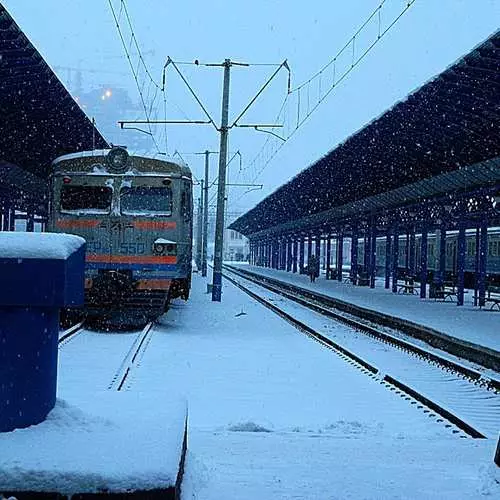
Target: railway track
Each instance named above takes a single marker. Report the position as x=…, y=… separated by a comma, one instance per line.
x=68, y=335
x=479, y=355
x=132, y=359
x=452, y=392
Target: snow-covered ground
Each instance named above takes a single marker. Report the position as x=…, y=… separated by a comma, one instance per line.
x=272, y=414
x=469, y=323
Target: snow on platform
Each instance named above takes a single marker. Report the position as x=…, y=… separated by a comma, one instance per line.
x=110, y=442
x=469, y=323
x=274, y=415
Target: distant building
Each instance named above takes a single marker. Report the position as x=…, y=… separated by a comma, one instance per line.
x=236, y=246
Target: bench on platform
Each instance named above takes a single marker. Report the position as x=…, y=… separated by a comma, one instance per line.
x=347, y=278
x=408, y=289
x=491, y=300
x=363, y=279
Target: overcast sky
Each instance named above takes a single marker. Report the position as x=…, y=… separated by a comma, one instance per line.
x=428, y=38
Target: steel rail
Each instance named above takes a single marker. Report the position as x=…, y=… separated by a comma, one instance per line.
x=66, y=335
x=365, y=366
x=321, y=305
x=130, y=359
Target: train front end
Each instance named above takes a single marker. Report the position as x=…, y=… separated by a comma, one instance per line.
x=135, y=214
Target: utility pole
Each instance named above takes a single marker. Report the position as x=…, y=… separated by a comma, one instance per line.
x=223, y=130
x=205, y=220
x=207, y=186
x=221, y=188
x=199, y=228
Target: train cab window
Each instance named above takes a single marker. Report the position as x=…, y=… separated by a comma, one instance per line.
x=146, y=200
x=86, y=199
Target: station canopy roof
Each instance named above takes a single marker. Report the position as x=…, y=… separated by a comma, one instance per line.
x=40, y=120
x=450, y=123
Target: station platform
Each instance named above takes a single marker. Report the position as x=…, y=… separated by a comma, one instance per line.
x=467, y=322
x=272, y=414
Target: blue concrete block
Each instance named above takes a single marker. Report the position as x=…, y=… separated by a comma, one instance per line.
x=39, y=274
x=28, y=365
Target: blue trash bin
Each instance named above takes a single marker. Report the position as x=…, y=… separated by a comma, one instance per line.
x=39, y=274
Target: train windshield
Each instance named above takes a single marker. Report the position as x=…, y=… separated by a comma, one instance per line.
x=86, y=199
x=146, y=200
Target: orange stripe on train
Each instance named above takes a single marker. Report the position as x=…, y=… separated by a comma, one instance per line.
x=148, y=284
x=131, y=259
x=153, y=284
x=151, y=224
x=76, y=223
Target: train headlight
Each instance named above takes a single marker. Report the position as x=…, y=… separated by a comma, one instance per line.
x=159, y=248
x=117, y=160
x=164, y=247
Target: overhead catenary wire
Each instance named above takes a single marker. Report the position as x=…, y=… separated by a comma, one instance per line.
x=148, y=88
x=134, y=73
x=326, y=79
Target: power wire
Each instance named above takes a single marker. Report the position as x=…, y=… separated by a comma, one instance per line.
x=296, y=96
x=134, y=73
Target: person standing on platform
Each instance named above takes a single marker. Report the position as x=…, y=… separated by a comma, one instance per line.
x=312, y=267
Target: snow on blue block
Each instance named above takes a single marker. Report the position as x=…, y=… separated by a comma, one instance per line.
x=111, y=442
x=41, y=269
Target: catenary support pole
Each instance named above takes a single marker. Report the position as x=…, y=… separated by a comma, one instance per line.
x=199, y=229
x=221, y=188
x=204, y=248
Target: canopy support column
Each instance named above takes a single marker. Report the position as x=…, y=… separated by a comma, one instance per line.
x=411, y=253
x=423, y=260
x=483, y=257
x=301, y=255
x=328, y=255
x=294, y=255
x=461, y=260
x=354, y=254
x=387, y=283
x=340, y=255
x=373, y=252
x=395, y=260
